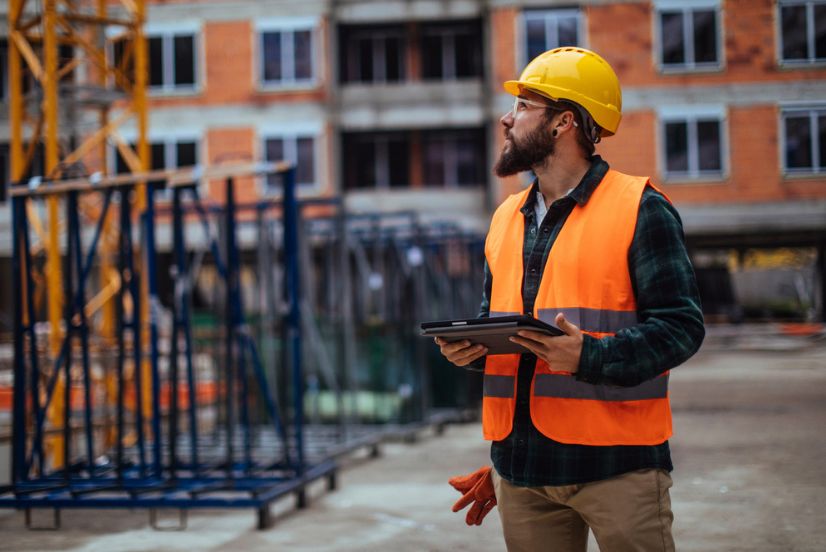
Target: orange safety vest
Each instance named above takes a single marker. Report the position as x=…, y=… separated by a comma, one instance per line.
x=586, y=277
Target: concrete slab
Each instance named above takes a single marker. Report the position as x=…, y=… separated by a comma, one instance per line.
x=748, y=450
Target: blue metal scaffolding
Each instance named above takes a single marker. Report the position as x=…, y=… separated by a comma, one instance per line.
x=347, y=284
x=155, y=464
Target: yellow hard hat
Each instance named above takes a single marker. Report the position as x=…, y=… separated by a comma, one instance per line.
x=577, y=75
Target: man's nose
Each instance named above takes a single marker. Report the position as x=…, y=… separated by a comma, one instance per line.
x=507, y=119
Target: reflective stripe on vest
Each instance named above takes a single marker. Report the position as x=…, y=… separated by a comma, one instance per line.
x=587, y=278
x=563, y=386
x=567, y=387
x=591, y=320
x=498, y=386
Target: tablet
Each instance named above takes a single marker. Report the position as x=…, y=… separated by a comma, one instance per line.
x=493, y=332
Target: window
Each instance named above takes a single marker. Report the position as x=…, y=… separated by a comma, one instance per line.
x=549, y=29
x=803, y=32
x=166, y=154
x=451, y=51
x=295, y=149
x=172, y=58
x=372, y=54
x=286, y=55
x=453, y=158
x=693, y=145
x=376, y=160
x=804, y=134
x=689, y=36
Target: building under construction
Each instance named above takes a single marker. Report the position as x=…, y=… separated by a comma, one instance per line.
x=192, y=186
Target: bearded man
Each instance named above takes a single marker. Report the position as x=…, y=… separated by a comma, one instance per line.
x=579, y=424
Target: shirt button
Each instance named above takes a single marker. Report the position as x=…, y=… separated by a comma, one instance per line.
x=533, y=271
x=520, y=442
x=546, y=230
x=533, y=231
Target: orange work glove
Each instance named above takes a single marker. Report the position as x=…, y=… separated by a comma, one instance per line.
x=476, y=488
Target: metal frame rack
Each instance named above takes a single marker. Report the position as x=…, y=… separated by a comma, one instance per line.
x=153, y=466
x=149, y=440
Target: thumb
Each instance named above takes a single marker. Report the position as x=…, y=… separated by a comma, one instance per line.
x=563, y=324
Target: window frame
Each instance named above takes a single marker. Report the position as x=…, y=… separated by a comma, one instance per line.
x=687, y=7
x=692, y=115
x=374, y=34
x=290, y=137
x=812, y=110
x=522, y=28
x=167, y=33
x=811, y=60
x=450, y=139
x=286, y=25
x=382, y=142
x=448, y=34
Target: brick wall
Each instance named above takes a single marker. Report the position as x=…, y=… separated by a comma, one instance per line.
x=624, y=34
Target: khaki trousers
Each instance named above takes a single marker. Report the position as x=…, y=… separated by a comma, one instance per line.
x=630, y=512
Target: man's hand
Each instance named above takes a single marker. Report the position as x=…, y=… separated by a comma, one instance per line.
x=560, y=352
x=461, y=353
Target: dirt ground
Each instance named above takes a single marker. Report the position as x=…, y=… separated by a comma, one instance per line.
x=749, y=450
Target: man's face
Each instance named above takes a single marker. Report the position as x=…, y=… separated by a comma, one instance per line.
x=528, y=140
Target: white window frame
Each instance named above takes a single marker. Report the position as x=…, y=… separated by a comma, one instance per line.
x=810, y=60
x=687, y=7
x=287, y=26
x=167, y=32
x=691, y=115
x=813, y=111
x=290, y=133
x=170, y=141
x=548, y=16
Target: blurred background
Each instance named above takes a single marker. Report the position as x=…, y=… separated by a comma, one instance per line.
x=389, y=113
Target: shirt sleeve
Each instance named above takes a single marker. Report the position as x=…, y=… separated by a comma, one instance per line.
x=670, y=328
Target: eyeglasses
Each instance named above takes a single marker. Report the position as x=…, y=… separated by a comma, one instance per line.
x=521, y=104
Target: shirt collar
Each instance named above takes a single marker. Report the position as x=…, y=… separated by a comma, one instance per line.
x=581, y=193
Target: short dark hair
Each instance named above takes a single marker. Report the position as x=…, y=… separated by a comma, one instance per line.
x=585, y=144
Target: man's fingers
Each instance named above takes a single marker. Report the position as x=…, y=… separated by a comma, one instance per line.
x=452, y=347
x=538, y=337
x=462, y=358
x=533, y=346
x=567, y=327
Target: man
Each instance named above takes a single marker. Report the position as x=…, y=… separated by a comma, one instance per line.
x=580, y=425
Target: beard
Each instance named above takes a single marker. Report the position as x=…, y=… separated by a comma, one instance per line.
x=523, y=156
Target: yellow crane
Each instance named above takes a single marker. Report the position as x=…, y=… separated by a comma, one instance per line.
x=101, y=77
